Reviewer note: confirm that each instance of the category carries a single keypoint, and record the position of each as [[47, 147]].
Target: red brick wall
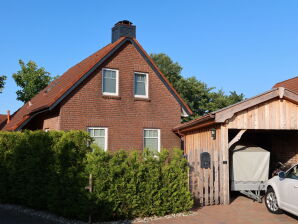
[[47, 120], [51, 123], [125, 117], [285, 147]]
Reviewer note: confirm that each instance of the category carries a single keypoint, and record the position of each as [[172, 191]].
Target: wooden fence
[[205, 184]]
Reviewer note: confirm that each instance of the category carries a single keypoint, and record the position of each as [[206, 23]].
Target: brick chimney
[[123, 28], [8, 117]]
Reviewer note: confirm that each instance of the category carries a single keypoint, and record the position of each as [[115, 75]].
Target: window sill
[[142, 99], [111, 97]]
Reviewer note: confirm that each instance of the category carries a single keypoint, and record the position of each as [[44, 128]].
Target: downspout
[[184, 139]]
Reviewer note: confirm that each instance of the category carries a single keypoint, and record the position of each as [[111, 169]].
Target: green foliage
[[45, 170], [2, 82], [196, 94], [31, 80], [200, 98], [219, 100], [170, 69], [131, 185], [50, 170]]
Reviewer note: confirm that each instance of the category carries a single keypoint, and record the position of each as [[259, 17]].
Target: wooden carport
[[273, 110]]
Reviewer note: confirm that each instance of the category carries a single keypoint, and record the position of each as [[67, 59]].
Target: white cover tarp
[[250, 163]]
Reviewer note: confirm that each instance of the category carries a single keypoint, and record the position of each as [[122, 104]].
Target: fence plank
[[206, 184]]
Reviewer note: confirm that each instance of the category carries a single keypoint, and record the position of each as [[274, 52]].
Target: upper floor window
[[152, 139], [100, 136], [141, 85], [110, 82]]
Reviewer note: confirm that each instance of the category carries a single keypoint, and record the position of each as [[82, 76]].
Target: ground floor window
[[152, 139], [100, 136]]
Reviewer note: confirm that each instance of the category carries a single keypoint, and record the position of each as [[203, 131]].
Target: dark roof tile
[[291, 84]]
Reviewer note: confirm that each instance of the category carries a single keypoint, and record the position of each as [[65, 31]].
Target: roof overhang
[[223, 115]]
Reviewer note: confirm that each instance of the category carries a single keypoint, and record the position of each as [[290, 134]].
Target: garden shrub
[[45, 170], [50, 170], [128, 185]]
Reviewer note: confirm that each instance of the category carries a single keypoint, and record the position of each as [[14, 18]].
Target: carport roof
[[224, 114]]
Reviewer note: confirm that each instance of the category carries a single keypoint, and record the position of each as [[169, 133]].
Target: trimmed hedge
[[45, 170], [50, 170]]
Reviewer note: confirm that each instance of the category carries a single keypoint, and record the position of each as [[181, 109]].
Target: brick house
[[117, 94]]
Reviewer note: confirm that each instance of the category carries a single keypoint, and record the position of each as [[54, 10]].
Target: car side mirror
[[282, 175]]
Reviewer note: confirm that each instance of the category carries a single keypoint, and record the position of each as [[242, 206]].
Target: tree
[[31, 80], [2, 82], [195, 93], [200, 98], [170, 69], [220, 100]]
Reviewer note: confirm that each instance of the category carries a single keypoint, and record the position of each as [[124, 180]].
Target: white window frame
[[158, 136], [117, 82], [146, 86], [106, 135]]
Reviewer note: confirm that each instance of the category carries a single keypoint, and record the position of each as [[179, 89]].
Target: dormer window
[[110, 82], [141, 85]]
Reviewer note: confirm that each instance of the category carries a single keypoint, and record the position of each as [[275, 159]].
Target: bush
[[45, 170], [49, 171], [128, 185]]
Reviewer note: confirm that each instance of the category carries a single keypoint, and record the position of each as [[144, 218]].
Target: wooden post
[[225, 157]]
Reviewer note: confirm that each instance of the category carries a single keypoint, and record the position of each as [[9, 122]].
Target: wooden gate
[[205, 184]]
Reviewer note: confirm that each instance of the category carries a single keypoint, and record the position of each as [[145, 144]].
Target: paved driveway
[[241, 211], [11, 217]]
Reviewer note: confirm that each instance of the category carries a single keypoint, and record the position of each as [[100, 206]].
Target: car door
[[289, 190]]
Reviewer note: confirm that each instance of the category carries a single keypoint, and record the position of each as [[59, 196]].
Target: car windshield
[[293, 173]]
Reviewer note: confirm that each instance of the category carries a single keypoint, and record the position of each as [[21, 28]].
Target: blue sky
[[240, 45]]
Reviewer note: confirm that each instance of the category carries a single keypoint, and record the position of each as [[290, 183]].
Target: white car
[[282, 192]]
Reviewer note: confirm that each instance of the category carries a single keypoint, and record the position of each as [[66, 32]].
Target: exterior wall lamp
[[213, 133]]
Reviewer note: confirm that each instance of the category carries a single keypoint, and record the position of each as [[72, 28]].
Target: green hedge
[[49, 171], [45, 170]]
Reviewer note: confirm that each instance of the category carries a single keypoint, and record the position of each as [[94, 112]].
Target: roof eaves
[[195, 122], [223, 114], [280, 92], [243, 101]]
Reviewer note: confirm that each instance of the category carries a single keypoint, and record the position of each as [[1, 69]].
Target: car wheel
[[271, 202]]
